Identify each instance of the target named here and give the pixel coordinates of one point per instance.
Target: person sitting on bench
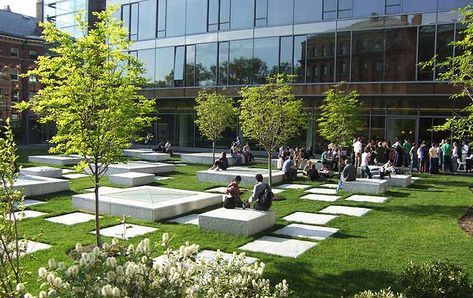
(289, 169)
(348, 174)
(221, 163)
(262, 195)
(386, 169)
(232, 195)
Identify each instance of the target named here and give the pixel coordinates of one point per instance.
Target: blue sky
(26, 7)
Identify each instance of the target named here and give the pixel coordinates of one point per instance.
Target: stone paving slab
(27, 214)
(74, 176)
(42, 171)
(345, 210)
(277, 191)
(159, 178)
(105, 190)
(322, 191)
(191, 219)
(279, 246)
(306, 231)
(330, 185)
(310, 218)
(131, 231)
(31, 202)
(33, 246)
(72, 218)
(323, 198)
(415, 178)
(293, 186)
(67, 171)
(370, 199)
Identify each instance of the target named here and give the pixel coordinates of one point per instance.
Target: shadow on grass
(426, 210)
(307, 283)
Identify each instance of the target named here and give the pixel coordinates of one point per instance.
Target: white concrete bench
(155, 156)
(55, 159)
(42, 172)
(237, 221)
(138, 167)
(397, 180)
(247, 175)
(131, 179)
(136, 152)
(368, 186)
(205, 158)
(36, 185)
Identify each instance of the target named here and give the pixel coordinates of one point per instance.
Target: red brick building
(20, 45)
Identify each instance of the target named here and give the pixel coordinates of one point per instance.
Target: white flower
(42, 272)
(20, 287)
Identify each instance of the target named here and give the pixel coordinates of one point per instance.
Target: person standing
(357, 149)
(414, 161)
(465, 151)
(455, 156)
(447, 156)
(422, 154)
(365, 158)
(406, 150)
(434, 160)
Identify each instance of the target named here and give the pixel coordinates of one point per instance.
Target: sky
(26, 7)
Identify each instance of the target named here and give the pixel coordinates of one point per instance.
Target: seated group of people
(164, 146)
(290, 170)
(349, 171)
(261, 198)
(241, 155)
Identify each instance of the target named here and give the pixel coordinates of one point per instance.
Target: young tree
(90, 92)
(270, 114)
(340, 119)
(11, 273)
(215, 113)
(458, 71)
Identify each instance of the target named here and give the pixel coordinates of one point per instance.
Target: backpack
(265, 200)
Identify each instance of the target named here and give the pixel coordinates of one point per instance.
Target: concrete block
(131, 179)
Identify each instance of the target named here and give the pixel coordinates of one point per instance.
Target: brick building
(20, 45)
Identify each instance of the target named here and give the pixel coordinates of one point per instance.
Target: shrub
(383, 293)
(115, 271)
(432, 280)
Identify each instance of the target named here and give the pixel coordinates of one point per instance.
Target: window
(306, 11)
(179, 67)
(299, 65)
(400, 54)
(444, 49)
(224, 15)
(280, 12)
(161, 18)
(33, 54)
(190, 66)
(31, 94)
(261, 13)
(164, 70)
(206, 64)
(426, 51)
(147, 20)
(344, 8)
(393, 6)
(285, 54)
(147, 58)
(223, 64)
(322, 59)
(242, 14)
(343, 56)
(365, 8)
(14, 52)
(265, 57)
(196, 16)
(450, 4)
(330, 9)
(14, 74)
(175, 21)
(420, 6)
(242, 66)
(367, 56)
(213, 16)
(130, 19)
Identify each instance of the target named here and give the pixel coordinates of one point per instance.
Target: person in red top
(232, 195)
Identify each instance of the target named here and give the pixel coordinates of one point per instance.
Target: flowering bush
(115, 271)
(384, 293)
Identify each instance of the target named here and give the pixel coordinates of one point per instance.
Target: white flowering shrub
(114, 271)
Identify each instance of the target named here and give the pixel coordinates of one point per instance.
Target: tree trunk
(213, 152)
(97, 211)
(269, 169)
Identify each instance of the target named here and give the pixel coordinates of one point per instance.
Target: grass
(418, 223)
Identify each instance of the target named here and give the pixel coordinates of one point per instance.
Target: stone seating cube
(397, 180)
(368, 186)
(247, 175)
(136, 152)
(42, 172)
(131, 179)
(205, 158)
(55, 159)
(155, 156)
(37, 185)
(244, 222)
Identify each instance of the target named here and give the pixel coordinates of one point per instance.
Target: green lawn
(418, 223)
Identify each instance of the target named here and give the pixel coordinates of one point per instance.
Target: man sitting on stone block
(348, 174)
(221, 163)
(232, 195)
(289, 169)
(262, 195)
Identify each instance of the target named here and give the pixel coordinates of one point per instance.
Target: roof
(18, 25)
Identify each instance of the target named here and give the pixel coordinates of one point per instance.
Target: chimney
(7, 8)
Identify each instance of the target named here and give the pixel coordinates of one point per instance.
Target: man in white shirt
(357, 149)
(465, 150)
(365, 158)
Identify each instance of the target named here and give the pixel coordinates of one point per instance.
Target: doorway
(405, 128)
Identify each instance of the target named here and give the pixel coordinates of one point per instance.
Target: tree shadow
(425, 210)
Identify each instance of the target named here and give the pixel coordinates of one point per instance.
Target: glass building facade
(373, 45)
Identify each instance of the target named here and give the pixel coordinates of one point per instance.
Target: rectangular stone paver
(333, 186)
(191, 219)
(323, 198)
(310, 218)
(306, 231)
(27, 214)
(31, 202)
(119, 231)
(277, 191)
(33, 246)
(72, 218)
(74, 176)
(293, 186)
(159, 178)
(105, 189)
(370, 199)
(67, 171)
(279, 246)
(345, 210)
(322, 191)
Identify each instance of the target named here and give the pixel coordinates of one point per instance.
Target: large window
(300, 43)
(213, 15)
(196, 16)
(223, 62)
(164, 75)
(330, 9)
(147, 20)
(14, 74)
(344, 8)
(426, 49)
(285, 54)
(175, 21)
(266, 57)
(445, 36)
(161, 18)
(206, 64)
(242, 14)
(320, 57)
(147, 58)
(130, 19)
(423, 6)
(242, 67)
(190, 66)
(365, 8)
(306, 11)
(343, 56)
(367, 56)
(280, 12)
(179, 60)
(224, 15)
(400, 54)
(450, 4)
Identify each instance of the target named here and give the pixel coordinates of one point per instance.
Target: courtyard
(346, 255)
